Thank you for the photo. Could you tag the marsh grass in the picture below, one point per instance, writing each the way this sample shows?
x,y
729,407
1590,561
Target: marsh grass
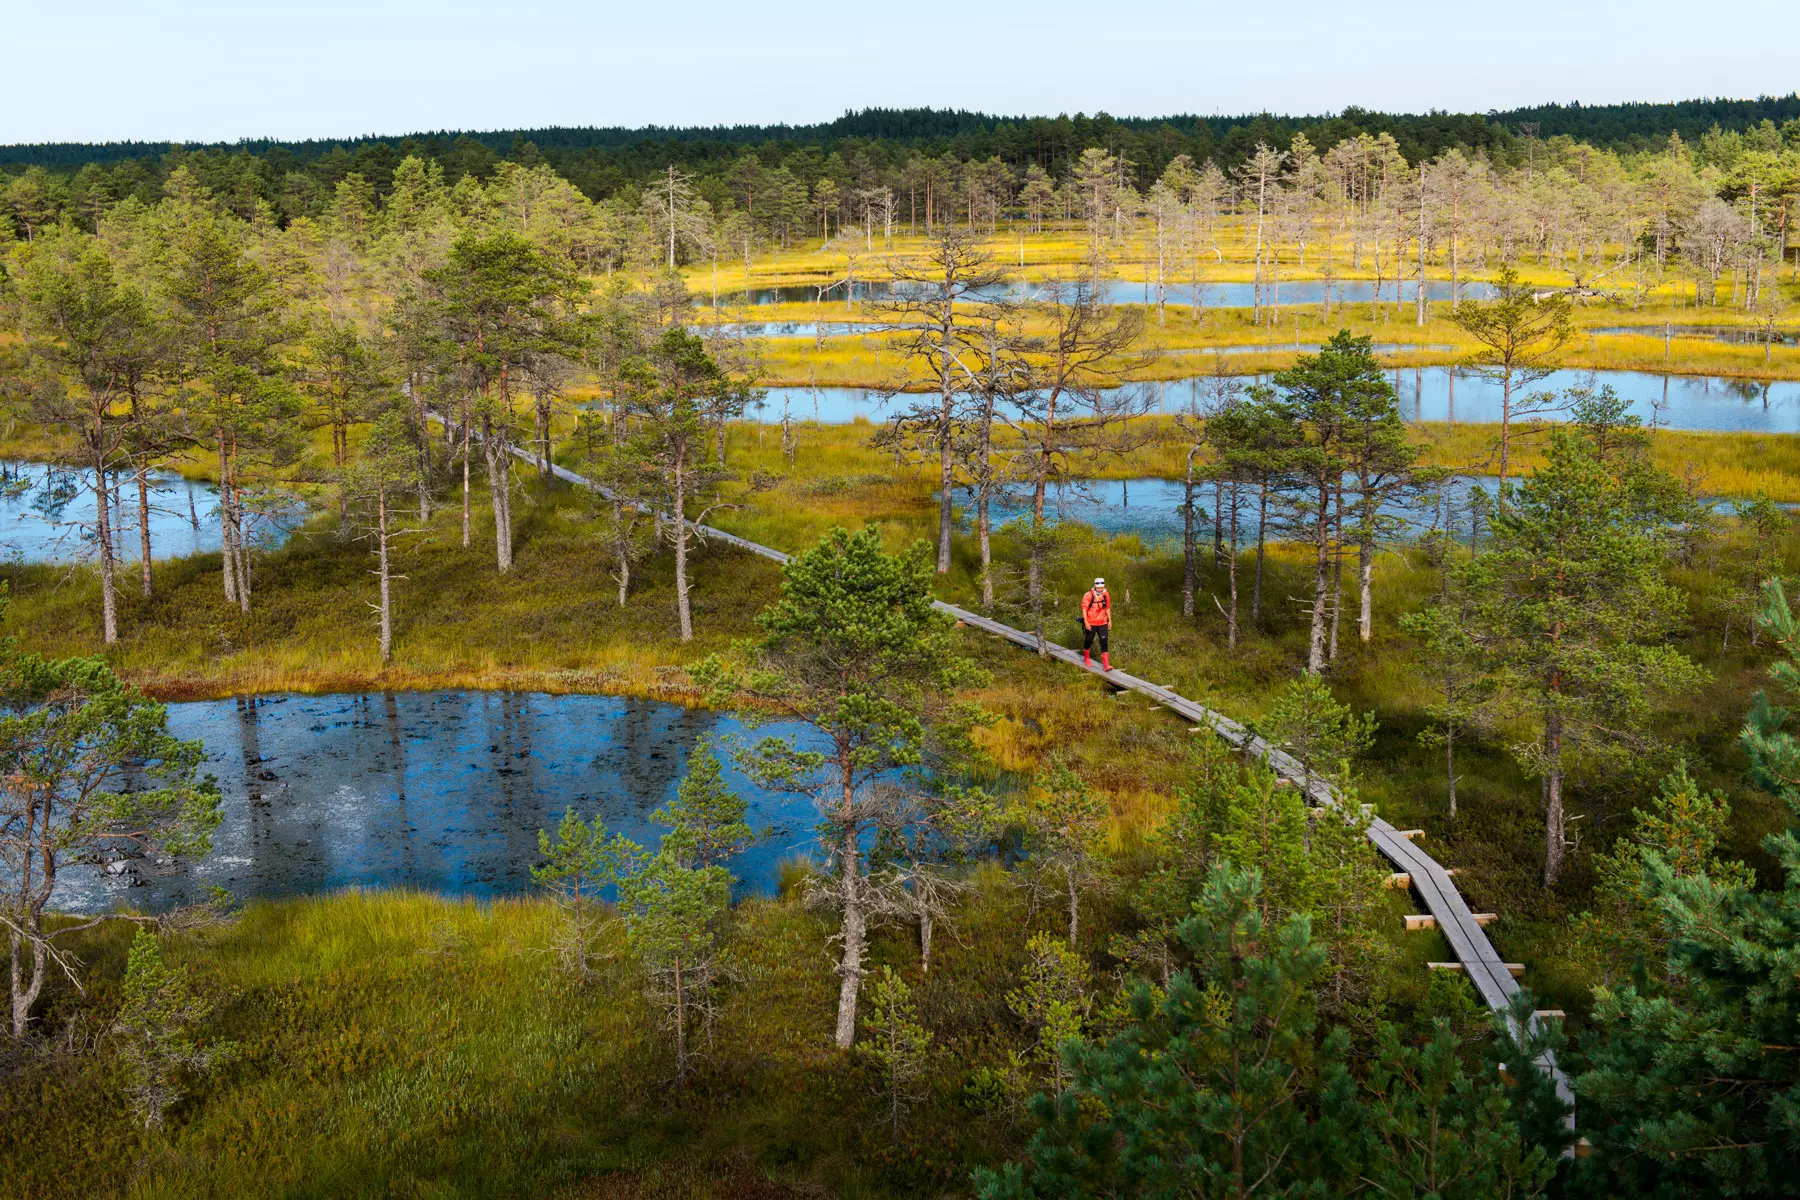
x,y
401,1044
417,1045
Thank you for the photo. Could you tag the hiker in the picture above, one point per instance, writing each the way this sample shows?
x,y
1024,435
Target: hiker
x,y
1096,621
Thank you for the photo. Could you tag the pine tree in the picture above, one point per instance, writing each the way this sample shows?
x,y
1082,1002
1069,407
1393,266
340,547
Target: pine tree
x,y
1520,333
1311,724
674,923
1053,1001
1571,607
94,344
385,470
1333,403
1203,1093
1681,830
499,302
1692,1085
1435,1130
666,396
1066,824
853,649
93,777
896,1045
577,868
706,818
155,1027
1462,683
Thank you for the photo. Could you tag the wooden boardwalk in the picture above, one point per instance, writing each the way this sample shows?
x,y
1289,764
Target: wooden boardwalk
x,y
1469,942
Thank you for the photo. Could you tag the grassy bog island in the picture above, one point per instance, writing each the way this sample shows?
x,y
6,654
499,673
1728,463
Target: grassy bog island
x,y
502,694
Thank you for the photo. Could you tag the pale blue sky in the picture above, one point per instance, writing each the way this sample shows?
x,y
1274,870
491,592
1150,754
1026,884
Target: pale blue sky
x,y
208,70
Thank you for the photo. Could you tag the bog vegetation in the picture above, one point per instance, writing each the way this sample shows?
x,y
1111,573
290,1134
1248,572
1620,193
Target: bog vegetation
x,y
1047,944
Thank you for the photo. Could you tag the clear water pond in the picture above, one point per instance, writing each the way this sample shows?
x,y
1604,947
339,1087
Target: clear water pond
x,y
1449,394
47,514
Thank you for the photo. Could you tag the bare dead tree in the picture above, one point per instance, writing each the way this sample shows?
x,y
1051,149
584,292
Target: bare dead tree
x,y
936,298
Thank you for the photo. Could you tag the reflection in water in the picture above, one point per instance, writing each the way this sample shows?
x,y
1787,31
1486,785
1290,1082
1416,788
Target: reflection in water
x,y
1742,334
443,791
1122,291
1672,401
1426,394
47,514
1151,508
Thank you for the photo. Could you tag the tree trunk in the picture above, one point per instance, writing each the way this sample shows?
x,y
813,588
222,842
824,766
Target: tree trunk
x,y
1554,822
467,433
239,534
850,964
381,547
624,573
1231,574
498,487
926,924
1450,765
418,400
681,537
1262,531
1040,484
1365,575
227,549
946,471
143,489
984,466
1506,387
109,601
1188,571
1316,643
25,994
681,1059
543,421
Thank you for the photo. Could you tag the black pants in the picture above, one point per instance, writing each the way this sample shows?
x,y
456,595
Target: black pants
x,y
1091,632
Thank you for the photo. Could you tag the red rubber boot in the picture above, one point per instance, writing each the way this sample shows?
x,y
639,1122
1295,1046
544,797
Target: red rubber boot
x,y
1105,662
1087,659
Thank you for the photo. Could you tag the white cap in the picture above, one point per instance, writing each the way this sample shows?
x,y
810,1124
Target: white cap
x,y
1099,583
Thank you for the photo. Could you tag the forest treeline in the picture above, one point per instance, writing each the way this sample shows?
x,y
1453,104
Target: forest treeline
x,y
1048,141
1721,210
295,178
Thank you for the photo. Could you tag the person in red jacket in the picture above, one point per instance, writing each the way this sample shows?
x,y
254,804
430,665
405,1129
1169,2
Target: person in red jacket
x,y
1096,622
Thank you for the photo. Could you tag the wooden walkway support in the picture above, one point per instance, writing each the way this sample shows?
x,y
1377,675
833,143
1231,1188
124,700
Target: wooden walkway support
x,y
1495,979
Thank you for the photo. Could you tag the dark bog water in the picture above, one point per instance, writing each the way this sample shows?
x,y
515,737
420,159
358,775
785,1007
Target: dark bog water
x,y
1426,394
48,514
1120,291
443,791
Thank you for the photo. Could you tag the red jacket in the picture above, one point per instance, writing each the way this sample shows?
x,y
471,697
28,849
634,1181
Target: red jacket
x,y
1096,609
